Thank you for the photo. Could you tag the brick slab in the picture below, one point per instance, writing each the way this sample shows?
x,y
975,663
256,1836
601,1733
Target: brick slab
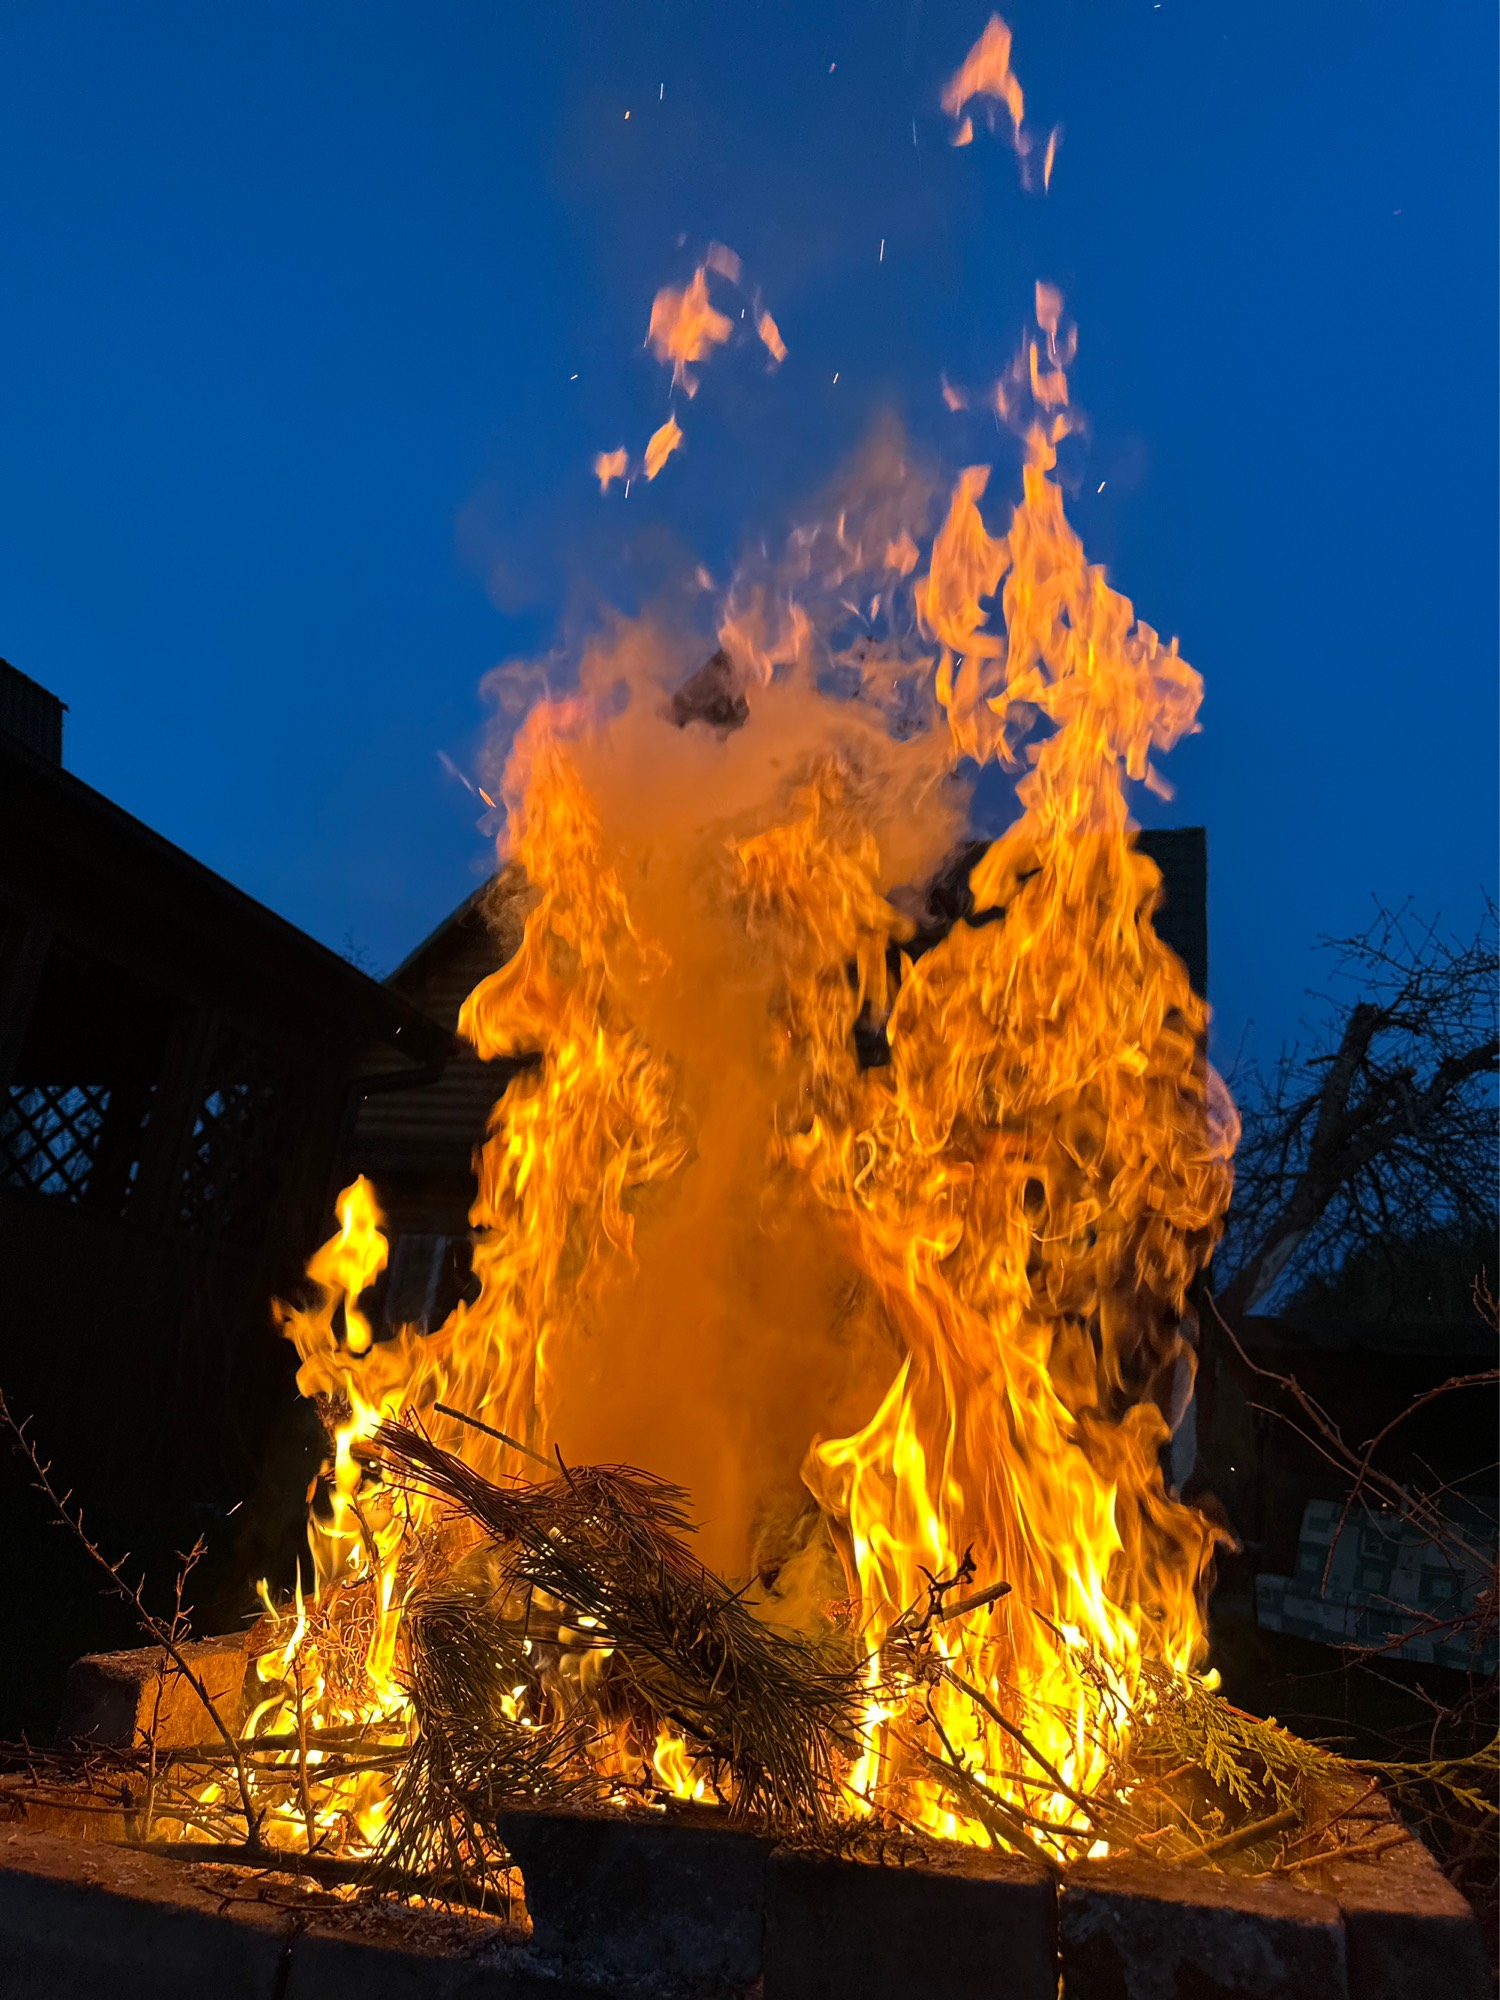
x,y
120,1698
409,1962
1130,1931
78,1922
1409,1934
849,1930
81,1921
643,1895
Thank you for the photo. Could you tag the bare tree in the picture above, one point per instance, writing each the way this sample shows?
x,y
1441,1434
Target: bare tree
x,y
1382,1129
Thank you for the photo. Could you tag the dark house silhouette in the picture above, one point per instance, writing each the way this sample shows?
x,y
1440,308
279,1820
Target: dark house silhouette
x,y
179,1074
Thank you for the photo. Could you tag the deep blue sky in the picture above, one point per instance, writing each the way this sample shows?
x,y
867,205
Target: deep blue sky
x,y
293,296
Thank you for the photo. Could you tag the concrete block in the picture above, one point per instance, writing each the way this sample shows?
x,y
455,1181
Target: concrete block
x,y
80,1920
981,1926
118,1698
1130,1931
386,1953
641,1895
1408,1933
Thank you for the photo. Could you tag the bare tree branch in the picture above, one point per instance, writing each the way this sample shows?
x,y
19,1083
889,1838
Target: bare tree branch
x,y
1382,1129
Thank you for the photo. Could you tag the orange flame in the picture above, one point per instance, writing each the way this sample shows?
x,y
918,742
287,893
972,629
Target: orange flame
x,y
661,445
685,327
1063,1220
349,1263
610,465
770,333
673,1766
986,72
888,1323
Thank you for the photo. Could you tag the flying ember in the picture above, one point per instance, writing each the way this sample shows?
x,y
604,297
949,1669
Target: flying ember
x,y
867,1225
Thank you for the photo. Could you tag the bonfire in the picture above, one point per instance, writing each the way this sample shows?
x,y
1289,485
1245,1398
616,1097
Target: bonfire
x,y
868,1240
801,1450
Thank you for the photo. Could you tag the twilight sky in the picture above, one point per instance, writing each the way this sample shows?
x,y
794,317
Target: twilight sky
x,y
295,296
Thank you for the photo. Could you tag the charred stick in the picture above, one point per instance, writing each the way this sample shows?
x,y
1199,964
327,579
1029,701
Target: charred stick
x,y
1248,1836
976,1601
372,1553
304,1795
273,1861
342,1736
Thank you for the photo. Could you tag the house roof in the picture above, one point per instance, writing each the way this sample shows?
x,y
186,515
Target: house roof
x,y
1181,853
419,1146
112,884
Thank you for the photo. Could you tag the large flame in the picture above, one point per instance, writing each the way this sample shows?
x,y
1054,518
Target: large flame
x,y
890,1320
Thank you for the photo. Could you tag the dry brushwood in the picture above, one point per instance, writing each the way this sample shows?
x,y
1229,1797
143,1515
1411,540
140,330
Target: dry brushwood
x,y
1199,1782
473,1755
591,1566
1450,1798
767,1710
1465,1553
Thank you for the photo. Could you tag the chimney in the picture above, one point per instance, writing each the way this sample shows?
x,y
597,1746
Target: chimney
x,y
30,714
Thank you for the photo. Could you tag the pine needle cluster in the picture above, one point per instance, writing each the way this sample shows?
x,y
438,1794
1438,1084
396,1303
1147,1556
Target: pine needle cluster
x,y
595,1562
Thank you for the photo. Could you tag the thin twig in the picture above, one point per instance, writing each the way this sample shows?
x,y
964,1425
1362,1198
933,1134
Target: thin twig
x,y
474,1424
149,1623
1356,1850
1248,1836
